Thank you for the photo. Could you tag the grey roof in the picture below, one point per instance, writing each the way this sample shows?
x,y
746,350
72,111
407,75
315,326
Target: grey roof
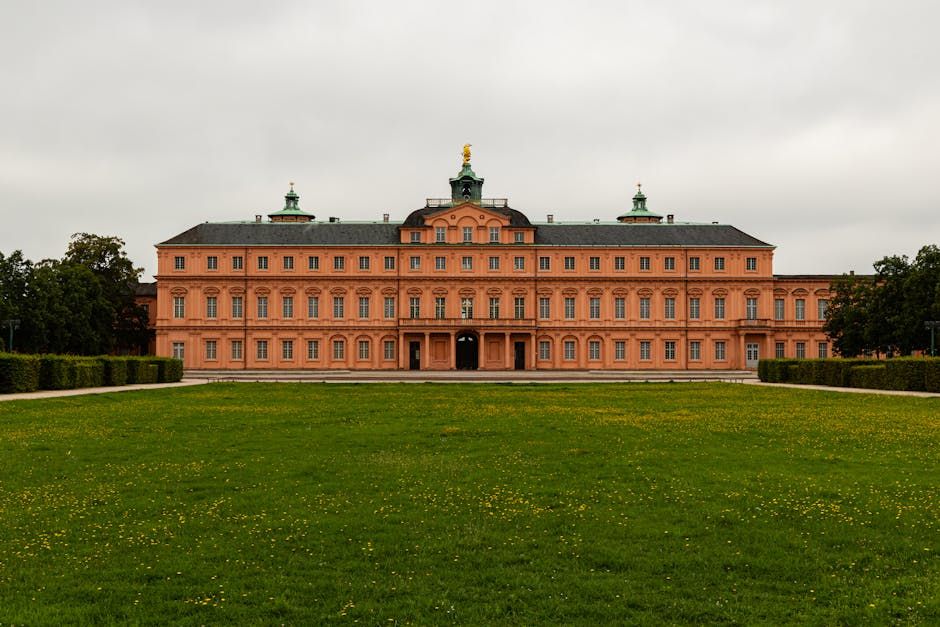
x,y
145,289
516,218
386,234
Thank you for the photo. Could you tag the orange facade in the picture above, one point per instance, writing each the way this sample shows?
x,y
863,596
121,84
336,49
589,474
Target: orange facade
x,y
470,283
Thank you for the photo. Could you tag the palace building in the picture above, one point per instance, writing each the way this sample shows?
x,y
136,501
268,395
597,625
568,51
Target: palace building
x,y
468,282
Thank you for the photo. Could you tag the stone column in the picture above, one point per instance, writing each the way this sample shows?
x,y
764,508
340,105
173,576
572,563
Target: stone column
x,y
507,353
426,352
453,350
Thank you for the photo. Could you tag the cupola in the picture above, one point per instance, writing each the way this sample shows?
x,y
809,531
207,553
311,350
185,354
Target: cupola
x,y
291,211
466,186
639,214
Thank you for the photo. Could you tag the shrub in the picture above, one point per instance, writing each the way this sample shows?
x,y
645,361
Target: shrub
x,y
169,370
89,373
932,375
135,368
905,374
115,370
56,372
869,377
19,373
762,369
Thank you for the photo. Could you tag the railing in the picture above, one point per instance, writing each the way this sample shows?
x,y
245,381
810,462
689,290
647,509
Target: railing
x,y
484,202
465,322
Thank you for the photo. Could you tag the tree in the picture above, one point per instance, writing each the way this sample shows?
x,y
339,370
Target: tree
x,y
15,276
848,321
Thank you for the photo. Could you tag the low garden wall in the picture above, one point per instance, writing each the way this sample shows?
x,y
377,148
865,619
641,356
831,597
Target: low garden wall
x,y
916,374
28,373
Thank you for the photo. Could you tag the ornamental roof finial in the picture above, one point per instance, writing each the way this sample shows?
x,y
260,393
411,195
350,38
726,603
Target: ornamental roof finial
x,y
466,154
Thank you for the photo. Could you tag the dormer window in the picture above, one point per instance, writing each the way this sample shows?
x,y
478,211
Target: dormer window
x,y
519,237
416,237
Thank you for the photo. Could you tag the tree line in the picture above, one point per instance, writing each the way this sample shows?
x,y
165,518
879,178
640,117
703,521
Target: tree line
x,y
81,304
884,314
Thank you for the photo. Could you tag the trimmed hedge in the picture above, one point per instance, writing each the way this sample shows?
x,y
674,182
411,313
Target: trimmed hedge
x,y
907,373
18,373
27,373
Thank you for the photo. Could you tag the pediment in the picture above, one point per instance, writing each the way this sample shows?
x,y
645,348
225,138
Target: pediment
x,y
463,213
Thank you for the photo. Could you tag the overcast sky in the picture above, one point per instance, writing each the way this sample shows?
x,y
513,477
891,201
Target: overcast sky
x,y
814,126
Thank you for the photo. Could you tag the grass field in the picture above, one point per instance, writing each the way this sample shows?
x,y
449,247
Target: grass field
x,y
470,504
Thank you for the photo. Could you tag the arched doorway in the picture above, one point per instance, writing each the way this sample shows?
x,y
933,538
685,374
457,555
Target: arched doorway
x,y
467,350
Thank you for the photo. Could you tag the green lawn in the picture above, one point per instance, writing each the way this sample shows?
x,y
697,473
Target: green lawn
x,y
471,504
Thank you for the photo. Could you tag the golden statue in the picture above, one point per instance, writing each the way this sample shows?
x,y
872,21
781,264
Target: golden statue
x,y
466,154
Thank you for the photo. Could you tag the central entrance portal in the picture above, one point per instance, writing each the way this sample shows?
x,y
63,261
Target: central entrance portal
x,y
467,351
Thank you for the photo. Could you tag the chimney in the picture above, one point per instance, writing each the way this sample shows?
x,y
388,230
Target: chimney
x,y
334,219
670,218
384,217
551,218
715,222
597,221
851,272
258,218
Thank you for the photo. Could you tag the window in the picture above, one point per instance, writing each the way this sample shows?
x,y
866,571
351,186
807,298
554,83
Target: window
x,y
416,237
545,350
339,263
261,349
388,349
339,349
719,351
212,262
780,350
694,264
414,262
778,308
414,307
750,264
545,307
801,350
178,350
466,308
313,349
518,263
287,307
313,306
288,261
594,308
494,263
440,263
644,308
620,307
644,263
262,307
238,262
569,307
212,308
494,234
440,234
620,263
313,262
620,350
695,350
440,307
494,307
364,263
751,308
569,263
594,263
669,263
364,349
645,354
179,263
823,350
669,308
822,306
519,237
468,234
719,308
364,307
389,263
389,307
211,349
669,350
466,263
545,263
694,309
236,350
800,309
287,349
569,350
263,262
519,307
339,307
179,306
237,307
719,263
594,350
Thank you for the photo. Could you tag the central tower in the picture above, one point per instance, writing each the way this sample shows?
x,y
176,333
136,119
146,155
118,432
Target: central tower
x,y
466,186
